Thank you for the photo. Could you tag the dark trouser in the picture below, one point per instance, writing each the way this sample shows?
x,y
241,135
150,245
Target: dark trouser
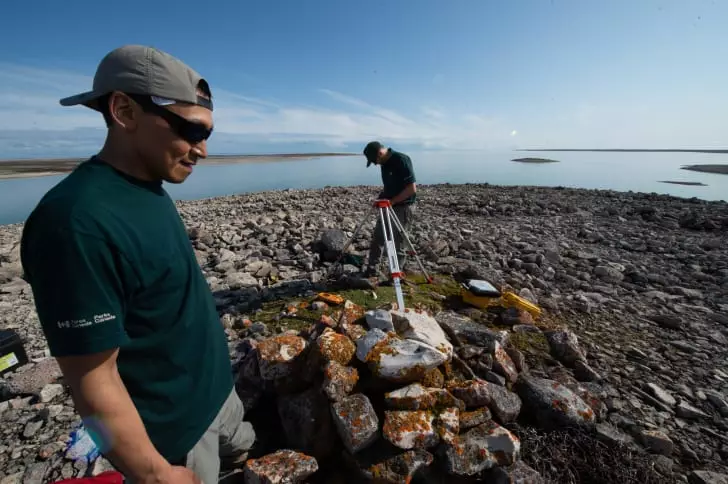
x,y
405,214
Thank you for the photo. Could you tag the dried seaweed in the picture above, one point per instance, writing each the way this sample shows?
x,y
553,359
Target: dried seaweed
x,y
574,456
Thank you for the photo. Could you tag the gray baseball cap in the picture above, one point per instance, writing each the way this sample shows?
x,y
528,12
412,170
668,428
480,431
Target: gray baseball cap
x,y
139,69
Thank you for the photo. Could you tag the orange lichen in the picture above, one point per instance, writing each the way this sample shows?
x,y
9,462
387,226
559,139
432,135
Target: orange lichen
x,y
433,379
271,349
336,347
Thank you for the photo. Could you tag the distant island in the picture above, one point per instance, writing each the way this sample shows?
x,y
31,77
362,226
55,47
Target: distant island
x,y
630,150
688,183
48,166
534,160
722,169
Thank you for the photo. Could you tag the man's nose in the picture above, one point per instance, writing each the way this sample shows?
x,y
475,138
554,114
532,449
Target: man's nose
x,y
200,149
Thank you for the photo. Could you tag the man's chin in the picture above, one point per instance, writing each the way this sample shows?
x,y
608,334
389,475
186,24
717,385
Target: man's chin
x,y
176,178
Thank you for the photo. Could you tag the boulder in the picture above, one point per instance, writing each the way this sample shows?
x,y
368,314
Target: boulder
x,y
423,328
551,404
410,429
356,422
483,447
282,467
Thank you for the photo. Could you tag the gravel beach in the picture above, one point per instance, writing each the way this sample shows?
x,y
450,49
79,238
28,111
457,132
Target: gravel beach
x,y
641,279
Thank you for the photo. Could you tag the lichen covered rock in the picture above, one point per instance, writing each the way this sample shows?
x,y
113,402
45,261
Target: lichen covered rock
x,y
410,429
333,346
484,447
282,467
356,422
280,356
339,380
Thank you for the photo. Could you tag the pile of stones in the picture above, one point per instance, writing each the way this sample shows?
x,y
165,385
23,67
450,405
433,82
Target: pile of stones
x,y
387,396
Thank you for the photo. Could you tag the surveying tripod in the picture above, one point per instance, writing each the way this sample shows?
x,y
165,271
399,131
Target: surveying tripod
x,y
388,218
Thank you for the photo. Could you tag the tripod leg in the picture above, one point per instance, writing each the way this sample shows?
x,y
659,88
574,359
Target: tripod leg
x,y
392,254
402,231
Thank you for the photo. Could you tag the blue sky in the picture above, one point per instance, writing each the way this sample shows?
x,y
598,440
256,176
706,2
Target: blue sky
x,y
333,74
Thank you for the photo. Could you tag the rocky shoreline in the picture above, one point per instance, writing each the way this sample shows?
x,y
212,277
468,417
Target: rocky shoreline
x,y
640,279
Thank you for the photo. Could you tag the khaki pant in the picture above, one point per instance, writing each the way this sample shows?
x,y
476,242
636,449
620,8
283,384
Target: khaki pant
x,y
405,214
228,438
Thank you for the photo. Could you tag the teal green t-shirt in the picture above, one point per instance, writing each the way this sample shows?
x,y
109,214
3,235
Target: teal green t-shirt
x,y
111,266
397,173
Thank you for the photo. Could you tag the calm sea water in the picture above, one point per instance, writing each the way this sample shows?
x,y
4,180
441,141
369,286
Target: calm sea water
x,y
639,172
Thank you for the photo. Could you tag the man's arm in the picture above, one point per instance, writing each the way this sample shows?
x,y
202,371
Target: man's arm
x,y
408,191
106,408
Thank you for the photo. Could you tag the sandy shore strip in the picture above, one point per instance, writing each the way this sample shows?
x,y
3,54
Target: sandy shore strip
x,y
32,168
715,168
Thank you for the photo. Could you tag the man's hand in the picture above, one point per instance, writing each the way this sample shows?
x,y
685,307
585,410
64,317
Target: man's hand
x,y
104,403
177,475
408,191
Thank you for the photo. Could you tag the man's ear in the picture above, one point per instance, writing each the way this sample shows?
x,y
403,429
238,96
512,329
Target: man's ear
x,y
124,113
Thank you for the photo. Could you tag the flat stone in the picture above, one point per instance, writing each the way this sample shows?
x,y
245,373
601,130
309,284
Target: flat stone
x,y
469,331
480,448
504,404
380,319
685,410
423,328
333,346
564,346
503,364
279,356
474,418
611,434
403,361
656,442
418,397
585,373
31,379
718,401
282,467
552,404
356,422
410,429
16,478
707,477
36,472
51,391
661,394
339,380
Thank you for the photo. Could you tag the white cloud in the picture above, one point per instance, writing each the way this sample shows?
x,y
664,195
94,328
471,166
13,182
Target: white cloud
x,y
30,103
33,123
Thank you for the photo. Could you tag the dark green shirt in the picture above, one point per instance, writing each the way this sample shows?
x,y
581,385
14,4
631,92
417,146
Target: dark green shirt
x,y
111,266
397,173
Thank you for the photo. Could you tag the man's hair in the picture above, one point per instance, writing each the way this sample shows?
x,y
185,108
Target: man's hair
x,y
105,110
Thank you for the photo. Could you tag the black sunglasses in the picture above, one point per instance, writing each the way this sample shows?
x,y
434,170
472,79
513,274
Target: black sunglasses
x,y
189,131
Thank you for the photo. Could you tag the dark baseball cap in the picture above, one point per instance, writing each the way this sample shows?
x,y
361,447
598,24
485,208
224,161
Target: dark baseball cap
x,y
371,150
143,70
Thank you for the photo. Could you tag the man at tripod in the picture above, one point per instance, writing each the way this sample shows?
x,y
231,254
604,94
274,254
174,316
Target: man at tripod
x,y
400,188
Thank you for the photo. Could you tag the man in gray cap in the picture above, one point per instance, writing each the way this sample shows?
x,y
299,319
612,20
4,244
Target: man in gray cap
x,y
400,188
120,296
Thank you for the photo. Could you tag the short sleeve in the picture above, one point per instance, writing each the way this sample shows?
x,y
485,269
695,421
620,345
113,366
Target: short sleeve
x,y
408,173
78,290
